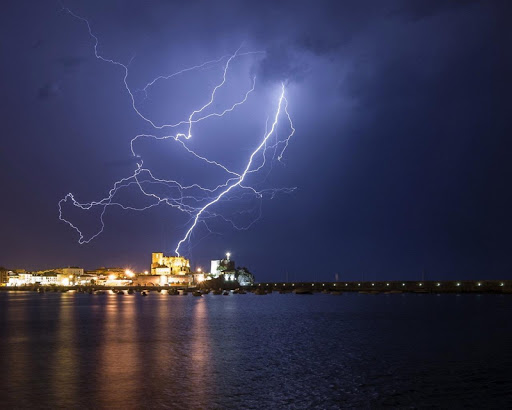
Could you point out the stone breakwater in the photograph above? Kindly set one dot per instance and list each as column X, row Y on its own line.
column 461, row 286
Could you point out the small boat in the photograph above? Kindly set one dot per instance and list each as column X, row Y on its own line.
column 303, row 291
column 130, row 291
column 236, row 291
column 217, row 292
column 197, row 293
column 120, row 292
column 226, row 293
column 260, row 292
column 143, row 293
column 242, row 292
column 100, row 292
column 172, row 292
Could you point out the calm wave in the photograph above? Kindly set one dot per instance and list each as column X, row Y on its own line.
column 248, row 351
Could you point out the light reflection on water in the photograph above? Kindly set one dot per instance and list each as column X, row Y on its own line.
column 18, row 366
column 64, row 356
column 118, row 353
column 247, row 351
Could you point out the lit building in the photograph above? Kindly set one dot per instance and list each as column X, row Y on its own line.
column 169, row 265
column 15, row 280
column 58, row 276
column 215, row 268
column 50, row 278
column 104, row 271
column 73, row 271
column 225, row 268
column 171, row 269
column 4, row 276
column 27, row 278
column 86, row 279
column 107, row 277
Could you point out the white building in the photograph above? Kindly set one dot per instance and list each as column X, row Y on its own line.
column 23, row 279
column 15, row 280
column 214, row 268
column 45, row 279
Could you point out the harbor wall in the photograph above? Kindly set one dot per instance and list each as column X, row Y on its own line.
column 461, row 286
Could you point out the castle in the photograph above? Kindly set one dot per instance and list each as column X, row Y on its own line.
column 171, row 269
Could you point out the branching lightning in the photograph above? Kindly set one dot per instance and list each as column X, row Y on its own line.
column 201, row 203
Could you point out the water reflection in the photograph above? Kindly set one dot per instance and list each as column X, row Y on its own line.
column 64, row 358
column 202, row 378
column 118, row 366
column 163, row 351
column 15, row 360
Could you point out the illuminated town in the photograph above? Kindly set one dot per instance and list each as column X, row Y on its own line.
column 164, row 271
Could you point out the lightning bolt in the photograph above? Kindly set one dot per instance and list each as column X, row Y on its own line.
column 198, row 201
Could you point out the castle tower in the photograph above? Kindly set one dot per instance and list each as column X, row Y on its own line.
column 156, row 259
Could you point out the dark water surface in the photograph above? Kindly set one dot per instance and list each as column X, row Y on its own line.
column 248, row 351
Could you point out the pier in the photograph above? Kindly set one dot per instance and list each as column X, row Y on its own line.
column 461, row 286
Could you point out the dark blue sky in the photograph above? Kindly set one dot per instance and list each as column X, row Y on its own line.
column 400, row 158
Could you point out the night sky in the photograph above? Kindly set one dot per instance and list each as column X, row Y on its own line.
column 401, row 156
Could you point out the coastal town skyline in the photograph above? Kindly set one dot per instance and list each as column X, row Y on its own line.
column 162, row 271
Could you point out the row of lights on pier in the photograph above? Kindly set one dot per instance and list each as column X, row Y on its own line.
column 387, row 284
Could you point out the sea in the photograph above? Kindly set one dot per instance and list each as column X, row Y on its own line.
column 320, row 351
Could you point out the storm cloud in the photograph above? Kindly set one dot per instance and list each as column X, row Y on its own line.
column 400, row 155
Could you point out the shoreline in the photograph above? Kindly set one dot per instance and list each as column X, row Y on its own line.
column 368, row 287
